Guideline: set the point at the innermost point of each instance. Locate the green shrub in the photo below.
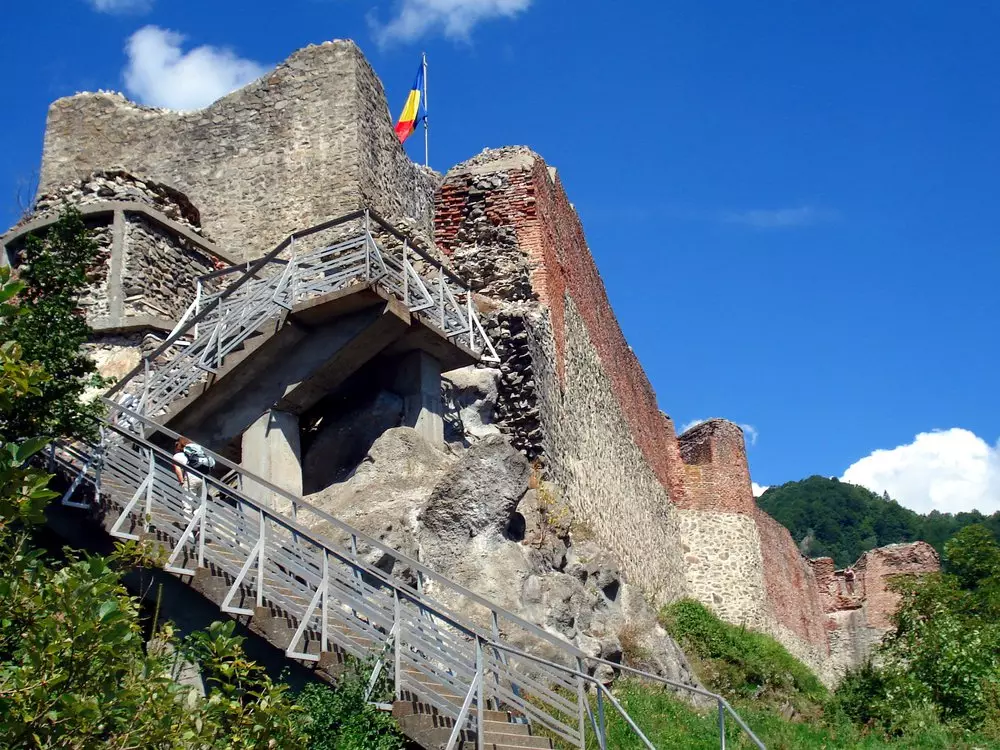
(340, 718)
(738, 662)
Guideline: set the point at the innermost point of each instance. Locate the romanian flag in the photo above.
(409, 119)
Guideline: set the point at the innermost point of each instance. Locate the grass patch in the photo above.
(741, 663)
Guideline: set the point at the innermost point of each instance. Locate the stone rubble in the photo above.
(119, 185)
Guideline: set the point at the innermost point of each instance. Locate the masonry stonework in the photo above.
(172, 194)
(303, 144)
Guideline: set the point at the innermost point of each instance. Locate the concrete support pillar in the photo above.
(418, 381)
(272, 451)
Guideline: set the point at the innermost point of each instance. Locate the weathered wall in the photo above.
(309, 141)
(146, 269)
(508, 227)
(858, 602)
(678, 511)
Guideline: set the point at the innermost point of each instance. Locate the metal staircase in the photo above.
(364, 251)
(464, 672)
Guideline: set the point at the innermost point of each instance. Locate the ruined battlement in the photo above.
(312, 140)
(309, 141)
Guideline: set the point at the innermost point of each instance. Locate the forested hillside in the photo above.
(831, 518)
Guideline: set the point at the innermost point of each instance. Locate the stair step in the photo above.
(516, 740)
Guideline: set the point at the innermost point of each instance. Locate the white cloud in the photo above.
(121, 6)
(946, 470)
(159, 73)
(453, 18)
(749, 431)
(759, 489)
(780, 218)
(692, 423)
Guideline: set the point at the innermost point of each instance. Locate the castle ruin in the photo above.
(176, 196)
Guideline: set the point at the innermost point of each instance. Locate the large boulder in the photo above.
(479, 493)
(383, 494)
(470, 399)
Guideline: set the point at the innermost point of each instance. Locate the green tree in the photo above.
(942, 658)
(51, 330)
(75, 671)
(842, 521)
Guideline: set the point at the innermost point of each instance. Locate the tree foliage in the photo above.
(45, 320)
(76, 671)
(941, 661)
(827, 517)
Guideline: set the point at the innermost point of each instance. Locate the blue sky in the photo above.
(793, 204)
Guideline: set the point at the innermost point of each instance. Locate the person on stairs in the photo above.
(191, 455)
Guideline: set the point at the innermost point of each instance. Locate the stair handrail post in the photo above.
(368, 247)
(481, 678)
(602, 734)
(324, 644)
(406, 276)
(203, 523)
(397, 646)
(197, 307)
(261, 559)
(583, 708)
(469, 313)
(722, 724)
(441, 295)
(148, 516)
(293, 275)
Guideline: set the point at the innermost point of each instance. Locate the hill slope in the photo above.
(831, 518)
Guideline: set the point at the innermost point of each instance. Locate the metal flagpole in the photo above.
(426, 138)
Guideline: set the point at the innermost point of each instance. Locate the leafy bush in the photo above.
(48, 325)
(941, 662)
(340, 718)
(739, 662)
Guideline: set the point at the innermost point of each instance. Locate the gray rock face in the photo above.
(384, 493)
(480, 492)
(344, 440)
(473, 519)
(470, 398)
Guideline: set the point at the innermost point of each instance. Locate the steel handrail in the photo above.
(401, 590)
(470, 629)
(454, 320)
(720, 700)
(298, 503)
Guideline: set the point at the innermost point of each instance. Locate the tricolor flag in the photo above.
(410, 117)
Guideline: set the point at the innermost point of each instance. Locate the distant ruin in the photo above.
(173, 195)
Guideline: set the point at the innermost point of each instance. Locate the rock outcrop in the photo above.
(480, 517)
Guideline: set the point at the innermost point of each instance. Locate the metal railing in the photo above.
(373, 253)
(460, 657)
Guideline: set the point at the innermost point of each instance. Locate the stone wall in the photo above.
(506, 225)
(309, 141)
(148, 263)
(678, 511)
(858, 602)
(159, 271)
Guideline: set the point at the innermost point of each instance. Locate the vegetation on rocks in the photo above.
(829, 518)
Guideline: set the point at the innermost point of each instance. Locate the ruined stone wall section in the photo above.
(593, 455)
(310, 141)
(716, 472)
(725, 568)
(876, 569)
(159, 271)
(790, 584)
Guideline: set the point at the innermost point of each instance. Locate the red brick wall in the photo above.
(789, 581)
(549, 230)
(716, 473)
(877, 568)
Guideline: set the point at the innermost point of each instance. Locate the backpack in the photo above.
(197, 458)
